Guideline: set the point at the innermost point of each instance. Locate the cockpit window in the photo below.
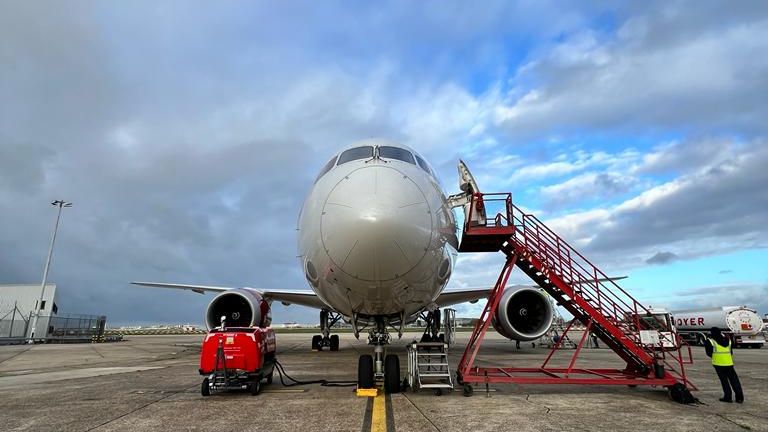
(326, 168)
(423, 164)
(355, 154)
(398, 153)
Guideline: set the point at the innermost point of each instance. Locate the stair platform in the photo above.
(483, 234)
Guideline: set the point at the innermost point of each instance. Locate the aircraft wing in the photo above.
(455, 296)
(286, 297)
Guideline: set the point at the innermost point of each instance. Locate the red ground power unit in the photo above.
(237, 358)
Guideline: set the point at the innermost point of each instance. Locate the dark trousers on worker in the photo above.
(728, 379)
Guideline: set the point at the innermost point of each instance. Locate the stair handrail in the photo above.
(584, 279)
(552, 246)
(621, 310)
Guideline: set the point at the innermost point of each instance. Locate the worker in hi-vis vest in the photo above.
(720, 349)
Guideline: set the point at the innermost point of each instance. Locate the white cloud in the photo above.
(710, 80)
(588, 186)
(715, 209)
(579, 228)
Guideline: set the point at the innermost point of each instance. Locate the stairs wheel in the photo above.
(392, 374)
(438, 392)
(404, 385)
(365, 371)
(467, 390)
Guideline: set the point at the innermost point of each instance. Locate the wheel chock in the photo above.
(367, 392)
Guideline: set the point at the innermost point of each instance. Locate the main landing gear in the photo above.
(432, 329)
(379, 366)
(326, 339)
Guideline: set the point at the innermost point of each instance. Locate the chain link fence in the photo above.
(76, 328)
(62, 328)
(14, 325)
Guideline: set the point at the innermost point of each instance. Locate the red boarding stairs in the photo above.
(595, 300)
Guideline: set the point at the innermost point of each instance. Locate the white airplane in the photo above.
(377, 244)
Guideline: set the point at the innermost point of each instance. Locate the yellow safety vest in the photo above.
(721, 355)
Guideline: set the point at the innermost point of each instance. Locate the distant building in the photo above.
(19, 303)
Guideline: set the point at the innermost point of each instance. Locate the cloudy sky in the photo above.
(187, 136)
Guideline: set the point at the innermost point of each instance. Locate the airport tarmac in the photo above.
(150, 383)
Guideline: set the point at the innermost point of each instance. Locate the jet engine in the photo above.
(241, 307)
(524, 314)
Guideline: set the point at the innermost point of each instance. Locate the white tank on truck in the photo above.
(741, 323)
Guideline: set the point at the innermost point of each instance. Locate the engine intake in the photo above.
(524, 314)
(240, 308)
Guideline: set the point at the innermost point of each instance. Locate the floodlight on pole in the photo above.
(60, 204)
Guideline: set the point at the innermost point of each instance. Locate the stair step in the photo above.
(435, 375)
(432, 364)
(435, 385)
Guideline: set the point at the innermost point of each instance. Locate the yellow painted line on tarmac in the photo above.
(379, 413)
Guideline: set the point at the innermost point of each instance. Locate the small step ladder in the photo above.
(428, 366)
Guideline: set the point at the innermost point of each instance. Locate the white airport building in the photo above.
(18, 305)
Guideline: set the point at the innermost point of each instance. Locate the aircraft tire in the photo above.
(392, 374)
(316, 339)
(334, 342)
(365, 371)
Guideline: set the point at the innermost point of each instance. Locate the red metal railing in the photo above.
(587, 292)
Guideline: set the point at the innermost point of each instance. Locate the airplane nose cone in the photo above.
(376, 224)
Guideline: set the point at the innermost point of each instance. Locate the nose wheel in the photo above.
(392, 373)
(365, 371)
(378, 366)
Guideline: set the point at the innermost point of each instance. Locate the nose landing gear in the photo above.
(379, 366)
(434, 320)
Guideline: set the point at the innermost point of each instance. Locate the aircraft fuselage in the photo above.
(377, 237)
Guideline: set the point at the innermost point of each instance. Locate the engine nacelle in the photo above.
(524, 314)
(241, 307)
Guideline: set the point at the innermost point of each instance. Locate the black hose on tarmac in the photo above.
(294, 382)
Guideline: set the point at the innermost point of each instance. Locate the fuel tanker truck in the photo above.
(742, 324)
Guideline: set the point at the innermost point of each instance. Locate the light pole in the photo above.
(61, 204)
